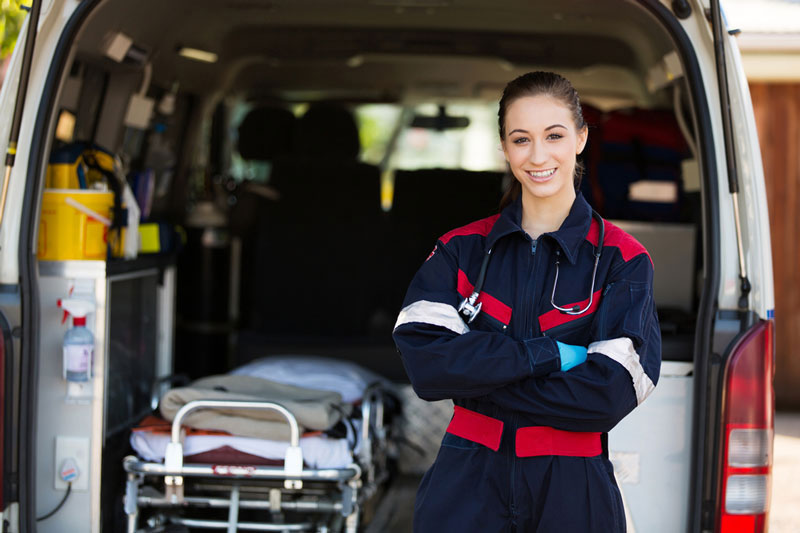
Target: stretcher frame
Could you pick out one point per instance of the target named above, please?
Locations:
(331, 498)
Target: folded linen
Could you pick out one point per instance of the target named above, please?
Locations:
(313, 409)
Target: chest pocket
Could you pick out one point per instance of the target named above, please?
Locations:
(486, 322)
(571, 329)
(575, 331)
(495, 315)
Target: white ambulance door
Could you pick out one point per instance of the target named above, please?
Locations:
(22, 95)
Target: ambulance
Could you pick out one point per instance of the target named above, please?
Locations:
(229, 180)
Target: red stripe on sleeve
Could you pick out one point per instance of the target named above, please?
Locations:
(555, 317)
(491, 305)
(479, 227)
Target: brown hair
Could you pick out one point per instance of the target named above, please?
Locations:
(535, 84)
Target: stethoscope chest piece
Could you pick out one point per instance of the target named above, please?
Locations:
(470, 307)
(468, 310)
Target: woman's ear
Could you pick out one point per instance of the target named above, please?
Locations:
(583, 136)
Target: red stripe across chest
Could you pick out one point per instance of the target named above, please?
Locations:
(491, 305)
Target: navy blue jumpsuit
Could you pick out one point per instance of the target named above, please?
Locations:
(504, 368)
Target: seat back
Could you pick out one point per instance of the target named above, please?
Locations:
(428, 203)
(321, 263)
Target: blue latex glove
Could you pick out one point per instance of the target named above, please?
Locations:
(571, 355)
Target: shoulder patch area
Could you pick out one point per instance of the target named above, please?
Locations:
(628, 246)
(479, 227)
(432, 252)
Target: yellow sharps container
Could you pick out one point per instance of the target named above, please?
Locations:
(74, 224)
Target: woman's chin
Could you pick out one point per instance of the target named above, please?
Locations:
(541, 190)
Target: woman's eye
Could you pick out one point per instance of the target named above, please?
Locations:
(554, 136)
(520, 140)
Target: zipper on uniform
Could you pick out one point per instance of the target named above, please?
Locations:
(529, 294)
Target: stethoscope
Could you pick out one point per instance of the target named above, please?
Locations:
(469, 310)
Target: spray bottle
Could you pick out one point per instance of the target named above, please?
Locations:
(78, 352)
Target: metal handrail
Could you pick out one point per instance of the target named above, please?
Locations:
(373, 395)
(133, 464)
(173, 458)
(294, 439)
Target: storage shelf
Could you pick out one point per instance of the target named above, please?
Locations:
(102, 269)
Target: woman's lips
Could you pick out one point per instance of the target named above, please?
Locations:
(541, 175)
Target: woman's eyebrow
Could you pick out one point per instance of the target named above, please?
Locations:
(548, 128)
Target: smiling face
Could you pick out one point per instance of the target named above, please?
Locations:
(541, 145)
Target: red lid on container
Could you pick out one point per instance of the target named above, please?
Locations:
(79, 321)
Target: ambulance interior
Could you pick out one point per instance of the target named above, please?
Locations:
(311, 153)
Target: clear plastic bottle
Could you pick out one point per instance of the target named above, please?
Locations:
(78, 351)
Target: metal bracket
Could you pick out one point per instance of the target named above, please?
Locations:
(348, 500)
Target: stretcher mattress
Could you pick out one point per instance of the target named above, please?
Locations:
(319, 451)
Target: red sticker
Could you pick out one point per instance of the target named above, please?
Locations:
(432, 252)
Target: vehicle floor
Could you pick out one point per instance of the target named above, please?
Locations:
(784, 514)
(395, 512)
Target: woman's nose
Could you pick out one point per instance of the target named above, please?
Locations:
(538, 153)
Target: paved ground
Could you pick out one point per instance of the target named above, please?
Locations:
(785, 510)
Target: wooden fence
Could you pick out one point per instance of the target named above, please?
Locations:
(777, 112)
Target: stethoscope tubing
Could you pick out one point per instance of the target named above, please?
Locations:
(469, 309)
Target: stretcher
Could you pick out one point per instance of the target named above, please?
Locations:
(251, 496)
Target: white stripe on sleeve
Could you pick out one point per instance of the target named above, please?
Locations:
(435, 313)
(621, 350)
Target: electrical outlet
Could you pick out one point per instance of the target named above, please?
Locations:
(76, 449)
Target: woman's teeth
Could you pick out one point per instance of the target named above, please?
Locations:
(542, 173)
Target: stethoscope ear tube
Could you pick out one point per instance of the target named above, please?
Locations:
(576, 309)
(601, 238)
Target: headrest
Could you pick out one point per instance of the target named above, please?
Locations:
(265, 133)
(335, 126)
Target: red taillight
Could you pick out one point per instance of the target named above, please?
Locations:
(747, 415)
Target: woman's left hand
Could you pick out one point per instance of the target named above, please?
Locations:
(571, 355)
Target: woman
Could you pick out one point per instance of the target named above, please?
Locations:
(547, 354)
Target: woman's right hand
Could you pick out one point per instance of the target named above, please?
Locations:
(571, 355)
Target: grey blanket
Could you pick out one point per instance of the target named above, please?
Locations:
(313, 409)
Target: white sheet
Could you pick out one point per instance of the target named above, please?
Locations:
(318, 451)
(313, 372)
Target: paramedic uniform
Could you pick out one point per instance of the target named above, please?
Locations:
(527, 449)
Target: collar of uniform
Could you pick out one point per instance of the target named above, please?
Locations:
(507, 223)
(574, 229)
(569, 236)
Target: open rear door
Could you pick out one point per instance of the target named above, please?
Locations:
(16, 461)
(737, 423)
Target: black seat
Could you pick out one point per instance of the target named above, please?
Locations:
(428, 203)
(266, 134)
(321, 269)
